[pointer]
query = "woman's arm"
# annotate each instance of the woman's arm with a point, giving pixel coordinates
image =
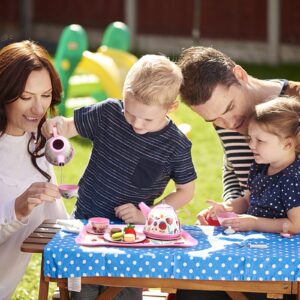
(15, 215)
(9, 224)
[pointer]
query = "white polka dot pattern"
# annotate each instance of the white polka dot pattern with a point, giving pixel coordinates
(216, 257)
(272, 196)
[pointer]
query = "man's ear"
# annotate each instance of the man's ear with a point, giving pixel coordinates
(240, 74)
(173, 106)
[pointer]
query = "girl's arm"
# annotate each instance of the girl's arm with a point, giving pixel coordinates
(240, 205)
(291, 224)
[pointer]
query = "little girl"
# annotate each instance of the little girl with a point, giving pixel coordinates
(272, 203)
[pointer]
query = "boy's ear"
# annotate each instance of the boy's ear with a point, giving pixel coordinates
(240, 73)
(173, 106)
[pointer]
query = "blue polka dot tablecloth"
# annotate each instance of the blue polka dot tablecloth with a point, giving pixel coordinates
(240, 256)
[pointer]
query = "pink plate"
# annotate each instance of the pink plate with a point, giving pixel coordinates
(163, 237)
(139, 238)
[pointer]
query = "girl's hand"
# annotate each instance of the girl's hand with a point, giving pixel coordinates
(216, 208)
(129, 213)
(35, 195)
(202, 217)
(241, 223)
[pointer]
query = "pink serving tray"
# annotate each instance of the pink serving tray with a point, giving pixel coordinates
(86, 239)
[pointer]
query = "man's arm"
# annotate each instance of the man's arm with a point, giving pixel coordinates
(231, 183)
(238, 158)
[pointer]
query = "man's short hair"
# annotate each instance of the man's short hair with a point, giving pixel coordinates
(203, 68)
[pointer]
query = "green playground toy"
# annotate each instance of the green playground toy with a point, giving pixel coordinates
(72, 43)
(90, 77)
(117, 36)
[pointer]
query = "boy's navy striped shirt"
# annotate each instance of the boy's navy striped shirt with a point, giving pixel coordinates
(125, 167)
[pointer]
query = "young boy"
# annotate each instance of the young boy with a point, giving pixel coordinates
(137, 149)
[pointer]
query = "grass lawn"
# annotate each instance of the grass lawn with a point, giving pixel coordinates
(207, 157)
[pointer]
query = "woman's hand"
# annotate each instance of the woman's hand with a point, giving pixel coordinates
(36, 194)
(129, 213)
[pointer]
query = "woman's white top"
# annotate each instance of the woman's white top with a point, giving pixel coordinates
(17, 173)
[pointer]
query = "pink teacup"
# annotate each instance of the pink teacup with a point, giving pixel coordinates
(225, 215)
(98, 224)
(68, 190)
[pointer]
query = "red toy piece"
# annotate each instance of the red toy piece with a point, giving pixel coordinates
(212, 222)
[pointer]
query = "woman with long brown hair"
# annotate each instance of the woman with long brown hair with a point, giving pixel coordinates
(29, 89)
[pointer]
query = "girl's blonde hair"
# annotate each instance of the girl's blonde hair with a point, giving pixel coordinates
(280, 116)
(153, 79)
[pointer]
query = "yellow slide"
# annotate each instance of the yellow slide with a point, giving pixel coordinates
(105, 68)
(123, 59)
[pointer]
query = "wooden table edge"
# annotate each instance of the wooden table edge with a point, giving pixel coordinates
(280, 287)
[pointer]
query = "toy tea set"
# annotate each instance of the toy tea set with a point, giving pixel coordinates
(162, 229)
(218, 220)
(58, 152)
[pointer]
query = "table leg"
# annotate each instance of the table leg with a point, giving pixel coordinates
(63, 291)
(298, 291)
(44, 286)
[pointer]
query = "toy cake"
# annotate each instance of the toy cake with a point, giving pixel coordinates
(128, 234)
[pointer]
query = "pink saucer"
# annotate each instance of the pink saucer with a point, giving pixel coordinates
(91, 231)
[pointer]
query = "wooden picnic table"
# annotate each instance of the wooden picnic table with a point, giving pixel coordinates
(37, 241)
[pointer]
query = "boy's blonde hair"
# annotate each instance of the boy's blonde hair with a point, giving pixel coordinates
(280, 116)
(153, 79)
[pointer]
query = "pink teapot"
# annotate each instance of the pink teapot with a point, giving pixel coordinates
(162, 222)
(58, 149)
